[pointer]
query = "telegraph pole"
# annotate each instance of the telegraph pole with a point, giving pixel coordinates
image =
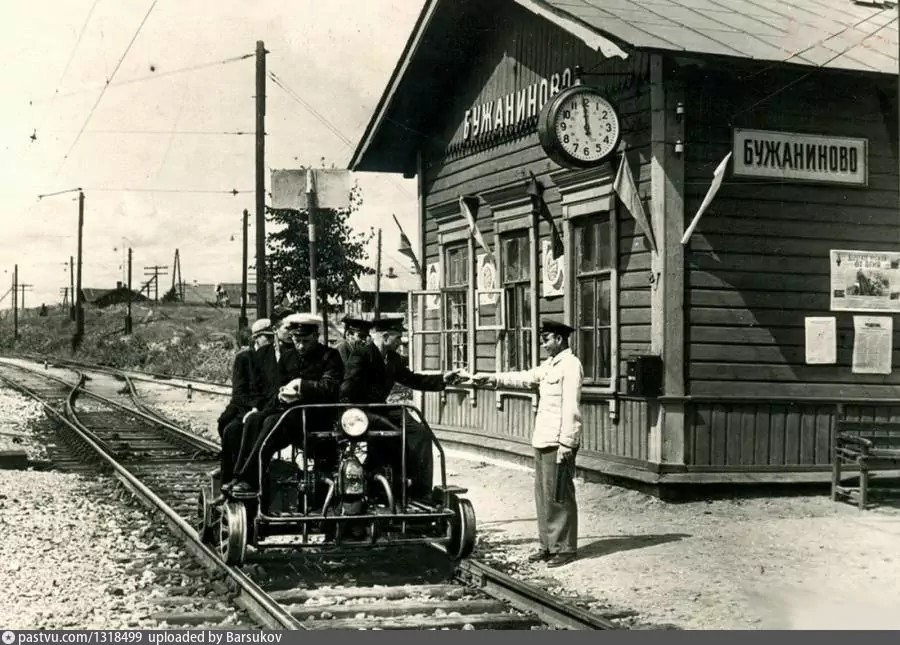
(24, 287)
(15, 290)
(72, 288)
(311, 206)
(242, 320)
(262, 304)
(79, 298)
(378, 279)
(128, 315)
(156, 271)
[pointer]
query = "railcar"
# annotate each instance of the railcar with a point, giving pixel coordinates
(327, 491)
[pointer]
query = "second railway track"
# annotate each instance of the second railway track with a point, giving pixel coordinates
(165, 465)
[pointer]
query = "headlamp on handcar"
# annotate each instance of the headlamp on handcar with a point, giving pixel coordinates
(354, 422)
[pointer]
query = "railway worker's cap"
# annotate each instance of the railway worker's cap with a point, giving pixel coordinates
(389, 324)
(555, 327)
(262, 327)
(279, 313)
(357, 324)
(302, 323)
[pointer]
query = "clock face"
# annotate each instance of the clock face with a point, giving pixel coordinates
(586, 127)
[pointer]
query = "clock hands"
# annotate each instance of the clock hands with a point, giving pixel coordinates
(587, 126)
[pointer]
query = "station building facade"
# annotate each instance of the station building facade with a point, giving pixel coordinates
(711, 334)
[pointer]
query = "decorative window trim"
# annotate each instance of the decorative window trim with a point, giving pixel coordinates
(584, 192)
(452, 234)
(513, 211)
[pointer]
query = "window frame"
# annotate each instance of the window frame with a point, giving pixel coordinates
(586, 193)
(503, 346)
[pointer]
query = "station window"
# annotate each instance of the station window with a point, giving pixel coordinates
(593, 246)
(456, 286)
(517, 294)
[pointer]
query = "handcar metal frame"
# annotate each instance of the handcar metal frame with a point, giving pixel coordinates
(446, 522)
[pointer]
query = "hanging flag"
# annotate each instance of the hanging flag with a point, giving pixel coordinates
(718, 176)
(556, 246)
(535, 190)
(627, 191)
(469, 207)
(406, 247)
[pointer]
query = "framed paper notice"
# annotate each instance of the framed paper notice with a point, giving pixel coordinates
(872, 344)
(865, 281)
(821, 341)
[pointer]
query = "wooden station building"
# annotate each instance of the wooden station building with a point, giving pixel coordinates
(701, 362)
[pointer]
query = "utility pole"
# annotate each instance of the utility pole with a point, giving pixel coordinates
(311, 206)
(64, 292)
(15, 290)
(128, 315)
(79, 298)
(72, 288)
(242, 320)
(155, 271)
(23, 287)
(262, 305)
(378, 279)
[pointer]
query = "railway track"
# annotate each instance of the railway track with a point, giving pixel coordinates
(101, 419)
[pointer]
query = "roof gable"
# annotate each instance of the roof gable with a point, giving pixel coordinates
(833, 34)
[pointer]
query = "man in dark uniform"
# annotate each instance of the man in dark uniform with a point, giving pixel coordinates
(370, 375)
(259, 369)
(314, 373)
(356, 334)
(242, 381)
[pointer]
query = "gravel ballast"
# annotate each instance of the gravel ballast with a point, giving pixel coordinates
(78, 552)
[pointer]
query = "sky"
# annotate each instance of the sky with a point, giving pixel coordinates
(155, 152)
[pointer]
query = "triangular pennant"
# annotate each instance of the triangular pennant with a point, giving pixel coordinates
(406, 247)
(468, 205)
(627, 191)
(718, 176)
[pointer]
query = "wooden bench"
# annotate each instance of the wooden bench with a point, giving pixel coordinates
(870, 446)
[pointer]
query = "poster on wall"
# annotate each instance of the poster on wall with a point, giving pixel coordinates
(865, 280)
(821, 340)
(552, 271)
(433, 283)
(487, 280)
(872, 344)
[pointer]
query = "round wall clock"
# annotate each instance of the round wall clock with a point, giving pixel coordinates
(579, 127)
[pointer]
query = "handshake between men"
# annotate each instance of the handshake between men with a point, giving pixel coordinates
(489, 380)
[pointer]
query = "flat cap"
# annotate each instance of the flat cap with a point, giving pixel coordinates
(357, 323)
(261, 326)
(301, 320)
(556, 327)
(389, 324)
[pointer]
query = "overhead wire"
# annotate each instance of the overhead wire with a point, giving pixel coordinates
(106, 86)
(811, 72)
(818, 43)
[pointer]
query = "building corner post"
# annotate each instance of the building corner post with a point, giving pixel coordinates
(667, 280)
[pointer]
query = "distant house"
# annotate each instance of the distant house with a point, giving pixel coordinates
(393, 292)
(106, 297)
(200, 294)
(230, 294)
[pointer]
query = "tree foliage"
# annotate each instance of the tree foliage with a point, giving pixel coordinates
(340, 252)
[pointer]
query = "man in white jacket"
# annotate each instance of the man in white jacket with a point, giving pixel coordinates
(557, 434)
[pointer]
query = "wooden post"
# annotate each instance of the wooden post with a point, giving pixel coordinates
(262, 309)
(128, 315)
(377, 315)
(311, 206)
(667, 266)
(79, 300)
(71, 288)
(15, 290)
(242, 320)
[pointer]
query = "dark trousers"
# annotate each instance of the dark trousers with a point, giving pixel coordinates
(419, 456)
(232, 435)
(231, 412)
(259, 426)
(557, 519)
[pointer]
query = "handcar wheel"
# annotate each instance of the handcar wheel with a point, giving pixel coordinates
(233, 533)
(204, 517)
(462, 528)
